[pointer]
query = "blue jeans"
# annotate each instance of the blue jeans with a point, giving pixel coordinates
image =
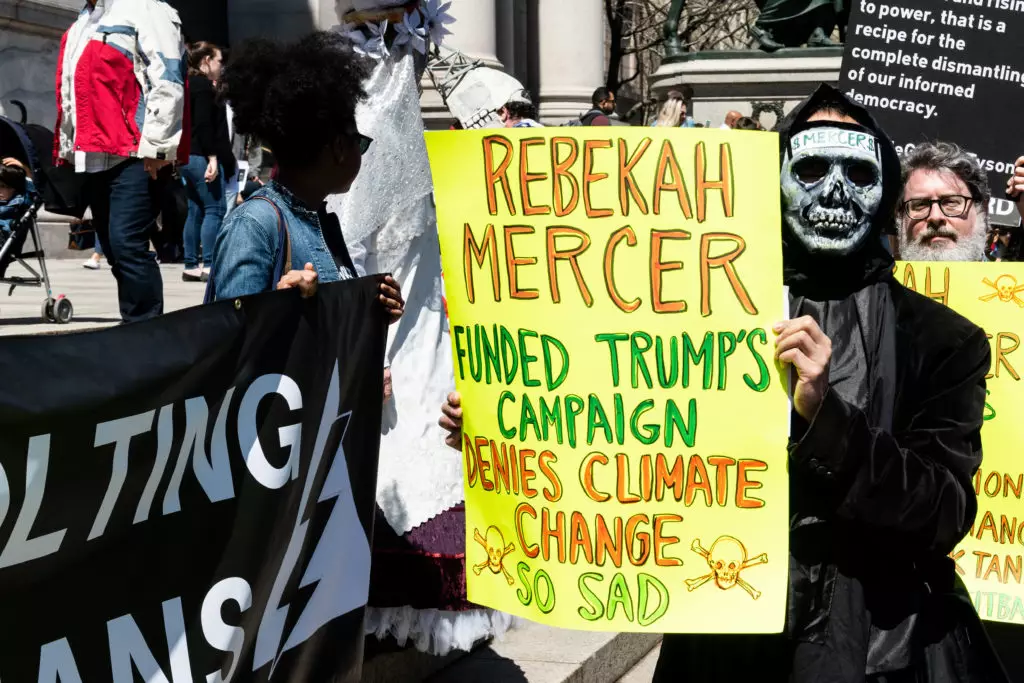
(205, 211)
(125, 203)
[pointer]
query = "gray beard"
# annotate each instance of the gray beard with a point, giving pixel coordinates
(970, 248)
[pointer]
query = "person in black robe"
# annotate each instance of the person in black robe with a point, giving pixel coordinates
(888, 403)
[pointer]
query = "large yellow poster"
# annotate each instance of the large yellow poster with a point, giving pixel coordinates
(991, 295)
(611, 295)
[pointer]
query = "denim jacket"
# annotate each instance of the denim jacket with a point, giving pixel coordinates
(248, 243)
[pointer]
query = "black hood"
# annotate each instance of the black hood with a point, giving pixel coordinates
(824, 276)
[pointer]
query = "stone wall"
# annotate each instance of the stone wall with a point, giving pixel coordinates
(30, 33)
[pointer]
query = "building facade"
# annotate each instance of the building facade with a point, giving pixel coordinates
(556, 48)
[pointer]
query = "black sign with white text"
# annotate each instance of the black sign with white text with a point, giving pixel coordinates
(191, 498)
(950, 71)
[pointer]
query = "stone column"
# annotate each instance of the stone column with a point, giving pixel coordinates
(571, 48)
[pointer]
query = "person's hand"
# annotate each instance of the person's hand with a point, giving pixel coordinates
(389, 390)
(1015, 185)
(304, 280)
(153, 166)
(451, 420)
(391, 298)
(802, 344)
(212, 170)
(11, 161)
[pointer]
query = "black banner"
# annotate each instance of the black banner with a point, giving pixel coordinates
(191, 498)
(949, 71)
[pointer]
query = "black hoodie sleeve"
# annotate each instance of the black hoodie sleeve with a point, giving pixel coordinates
(915, 482)
(204, 140)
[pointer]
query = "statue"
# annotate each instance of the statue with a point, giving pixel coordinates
(792, 23)
(673, 48)
(782, 23)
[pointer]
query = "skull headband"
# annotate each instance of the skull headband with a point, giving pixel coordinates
(831, 187)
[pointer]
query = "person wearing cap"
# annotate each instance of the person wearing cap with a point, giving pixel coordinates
(519, 111)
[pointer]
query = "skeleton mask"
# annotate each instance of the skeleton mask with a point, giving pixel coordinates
(831, 188)
(726, 559)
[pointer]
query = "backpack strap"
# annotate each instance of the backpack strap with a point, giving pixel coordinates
(282, 260)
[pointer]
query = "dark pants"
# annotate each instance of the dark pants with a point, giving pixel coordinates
(125, 203)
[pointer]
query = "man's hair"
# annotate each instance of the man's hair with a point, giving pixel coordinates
(746, 123)
(947, 156)
(297, 98)
(13, 177)
(600, 95)
(521, 110)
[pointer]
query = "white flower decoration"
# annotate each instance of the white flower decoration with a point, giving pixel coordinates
(436, 18)
(373, 45)
(412, 32)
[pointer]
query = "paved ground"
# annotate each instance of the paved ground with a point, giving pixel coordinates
(92, 293)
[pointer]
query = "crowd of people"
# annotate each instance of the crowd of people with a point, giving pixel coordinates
(890, 392)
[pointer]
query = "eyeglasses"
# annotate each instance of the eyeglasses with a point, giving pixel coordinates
(364, 142)
(952, 206)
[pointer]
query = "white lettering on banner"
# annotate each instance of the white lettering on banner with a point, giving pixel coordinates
(336, 575)
(214, 475)
(218, 634)
(20, 548)
(164, 439)
(290, 436)
(343, 549)
(128, 648)
(119, 432)
(57, 663)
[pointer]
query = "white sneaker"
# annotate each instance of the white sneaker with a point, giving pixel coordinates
(91, 264)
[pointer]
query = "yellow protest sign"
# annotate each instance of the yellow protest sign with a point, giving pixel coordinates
(991, 295)
(611, 294)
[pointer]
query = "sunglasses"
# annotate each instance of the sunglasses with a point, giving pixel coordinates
(364, 142)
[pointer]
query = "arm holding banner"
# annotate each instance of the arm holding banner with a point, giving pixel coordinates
(916, 483)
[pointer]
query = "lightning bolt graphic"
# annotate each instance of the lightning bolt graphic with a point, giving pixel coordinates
(340, 563)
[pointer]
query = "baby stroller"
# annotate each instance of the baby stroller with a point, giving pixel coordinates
(15, 142)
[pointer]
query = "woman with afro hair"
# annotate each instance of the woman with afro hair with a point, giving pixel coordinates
(299, 100)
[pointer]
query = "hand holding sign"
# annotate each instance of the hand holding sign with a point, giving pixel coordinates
(802, 344)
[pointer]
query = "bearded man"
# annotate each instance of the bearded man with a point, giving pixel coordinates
(888, 402)
(943, 215)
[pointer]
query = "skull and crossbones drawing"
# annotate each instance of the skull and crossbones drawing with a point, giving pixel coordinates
(727, 558)
(497, 551)
(1006, 290)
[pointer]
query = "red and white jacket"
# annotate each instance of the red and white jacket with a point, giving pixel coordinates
(121, 83)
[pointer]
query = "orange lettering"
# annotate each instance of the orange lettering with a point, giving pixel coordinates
(525, 177)
(560, 171)
(570, 255)
(676, 184)
(589, 177)
(499, 174)
(579, 534)
(663, 540)
(725, 262)
(659, 267)
(743, 484)
(512, 263)
(530, 551)
(472, 251)
(723, 183)
(623, 233)
(627, 183)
